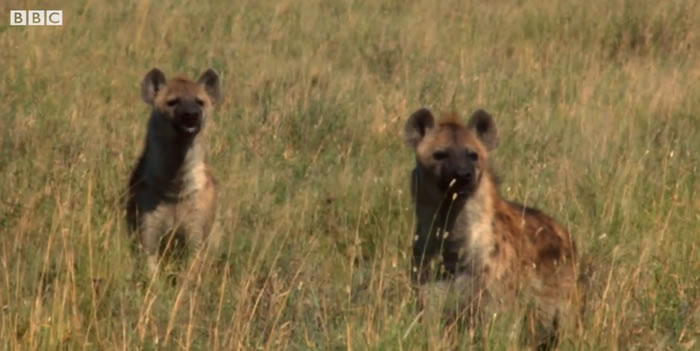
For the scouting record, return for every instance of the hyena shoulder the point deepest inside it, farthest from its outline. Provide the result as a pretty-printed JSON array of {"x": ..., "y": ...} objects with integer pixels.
[{"x": 539, "y": 238}]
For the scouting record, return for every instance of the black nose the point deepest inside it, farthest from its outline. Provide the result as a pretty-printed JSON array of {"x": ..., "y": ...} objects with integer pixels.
[
  {"x": 188, "y": 109},
  {"x": 191, "y": 115},
  {"x": 464, "y": 174}
]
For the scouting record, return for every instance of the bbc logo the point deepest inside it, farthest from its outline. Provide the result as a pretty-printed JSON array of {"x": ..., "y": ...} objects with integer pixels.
[{"x": 36, "y": 18}]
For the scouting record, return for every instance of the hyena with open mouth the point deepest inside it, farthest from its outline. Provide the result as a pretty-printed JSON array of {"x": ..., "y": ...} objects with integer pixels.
[{"x": 172, "y": 193}]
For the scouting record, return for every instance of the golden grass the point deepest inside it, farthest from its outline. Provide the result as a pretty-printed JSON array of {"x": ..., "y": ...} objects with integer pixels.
[{"x": 597, "y": 105}]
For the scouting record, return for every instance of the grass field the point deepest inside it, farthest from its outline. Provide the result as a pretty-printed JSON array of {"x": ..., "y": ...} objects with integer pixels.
[{"x": 597, "y": 104}]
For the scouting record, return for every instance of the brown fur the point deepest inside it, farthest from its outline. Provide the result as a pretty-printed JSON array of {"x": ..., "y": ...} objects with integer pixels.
[
  {"x": 172, "y": 189},
  {"x": 494, "y": 252}
]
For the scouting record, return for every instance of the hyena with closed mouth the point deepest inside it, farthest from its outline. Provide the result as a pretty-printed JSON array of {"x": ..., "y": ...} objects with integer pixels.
[
  {"x": 494, "y": 252},
  {"x": 172, "y": 192}
]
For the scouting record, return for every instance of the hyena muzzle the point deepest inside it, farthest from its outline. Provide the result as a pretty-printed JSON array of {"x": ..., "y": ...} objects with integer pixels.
[
  {"x": 172, "y": 193},
  {"x": 492, "y": 251}
]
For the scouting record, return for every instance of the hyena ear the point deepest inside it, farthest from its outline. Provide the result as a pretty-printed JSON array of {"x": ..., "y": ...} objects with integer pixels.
[
  {"x": 417, "y": 125},
  {"x": 485, "y": 128},
  {"x": 210, "y": 81},
  {"x": 153, "y": 82}
]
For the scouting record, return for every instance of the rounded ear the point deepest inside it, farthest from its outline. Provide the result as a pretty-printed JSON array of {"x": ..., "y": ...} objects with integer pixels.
[
  {"x": 484, "y": 127},
  {"x": 153, "y": 82},
  {"x": 210, "y": 81},
  {"x": 417, "y": 125}
]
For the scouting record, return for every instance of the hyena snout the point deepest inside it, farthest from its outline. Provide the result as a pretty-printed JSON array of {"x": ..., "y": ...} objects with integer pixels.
[
  {"x": 188, "y": 118},
  {"x": 464, "y": 174},
  {"x": 463, "y": 179},
  {"x": 460, "y": 174}
]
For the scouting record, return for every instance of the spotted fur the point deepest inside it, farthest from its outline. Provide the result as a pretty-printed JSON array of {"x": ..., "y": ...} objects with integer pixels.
[{"x": 493, "y": 252}]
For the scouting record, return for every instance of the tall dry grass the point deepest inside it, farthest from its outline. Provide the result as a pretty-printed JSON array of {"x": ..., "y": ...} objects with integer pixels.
[{"x": 597, "y": 104}]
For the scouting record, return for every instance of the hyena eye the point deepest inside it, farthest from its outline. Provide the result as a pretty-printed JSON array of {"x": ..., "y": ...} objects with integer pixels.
[
  {"x": 440, "y": 155},
  {"x": 199, "y": 102},
  {"x": 473, "y": 156},
  {"x": 173, "y": 102}
]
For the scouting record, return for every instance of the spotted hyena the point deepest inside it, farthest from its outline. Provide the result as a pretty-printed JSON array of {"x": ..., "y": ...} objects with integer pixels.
[
  {"x": 493, "y": 251},
  {"x": 172, "y": 193}
]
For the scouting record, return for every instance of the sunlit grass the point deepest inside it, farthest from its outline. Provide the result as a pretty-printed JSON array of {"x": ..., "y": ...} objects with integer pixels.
[{"x": 596, "y": 103}]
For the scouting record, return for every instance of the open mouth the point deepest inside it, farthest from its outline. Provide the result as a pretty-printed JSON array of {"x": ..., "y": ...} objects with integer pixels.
[
  {"x": 188, "y": 126},
  {"x": 190, "y": 129}
]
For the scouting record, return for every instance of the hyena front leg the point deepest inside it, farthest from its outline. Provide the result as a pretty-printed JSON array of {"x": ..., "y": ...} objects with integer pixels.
[
  {"x": 150, "y": 241},
  {"x": 424, "y": 250},
  {"x": 202, "y": 237},
  {"x": 213, "y": 239},
  {"x": 203, "y": 231}
]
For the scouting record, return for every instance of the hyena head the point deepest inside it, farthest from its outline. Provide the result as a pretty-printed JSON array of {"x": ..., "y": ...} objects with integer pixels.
[
  {"x": 180, "y": 102},
  {"x": 449, "y": 154}
]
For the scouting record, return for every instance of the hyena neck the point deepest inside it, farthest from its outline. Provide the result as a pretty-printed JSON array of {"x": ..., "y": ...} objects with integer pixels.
[
  {"x": 477, "y": 217},
  {"x": 174, "y": 165},
  {"x": 465, "y": 224},
  {"x": 451, "y": 211}
]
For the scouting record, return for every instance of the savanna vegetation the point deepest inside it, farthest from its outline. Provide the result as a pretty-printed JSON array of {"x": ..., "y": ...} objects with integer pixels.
[{"x": 597, "y": 103}]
